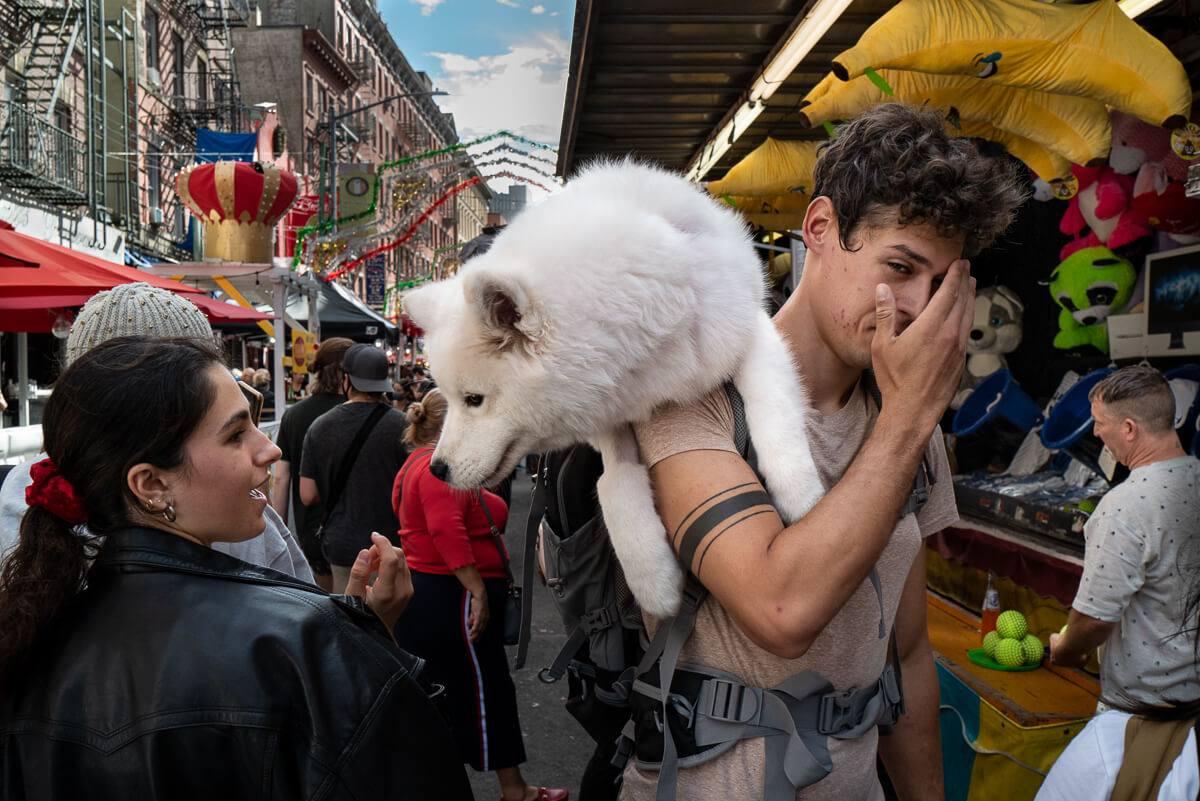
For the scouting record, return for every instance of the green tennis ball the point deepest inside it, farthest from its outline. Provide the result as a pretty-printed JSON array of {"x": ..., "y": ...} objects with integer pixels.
[
  {"x": 1031, "y": 648},
  {"x": 989, "y": 643},
  {"x": 1012, "y": 625},
  {"x": 1009, "y": 653}
]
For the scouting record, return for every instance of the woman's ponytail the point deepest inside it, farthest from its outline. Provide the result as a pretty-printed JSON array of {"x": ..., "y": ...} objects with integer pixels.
[{"x": 46, "y": 570}]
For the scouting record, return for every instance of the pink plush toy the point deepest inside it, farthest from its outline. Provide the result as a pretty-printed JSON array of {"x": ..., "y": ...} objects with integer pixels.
[
  {"x": 1106, "y": 199},
  {"x": 1104, "y": 204},
  {"x": 1158, "y": 190}
]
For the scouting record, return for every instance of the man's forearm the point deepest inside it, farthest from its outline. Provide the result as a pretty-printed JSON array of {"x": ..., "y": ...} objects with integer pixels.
[
  {"x": 1084, "y": 635},
  {"x": 912, "y": 753},
  {"x": 820, "y": 561}
]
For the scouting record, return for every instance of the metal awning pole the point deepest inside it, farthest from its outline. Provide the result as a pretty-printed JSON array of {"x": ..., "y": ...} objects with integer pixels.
[
  {"x": 280, "y": 348},
  {"x": 22, "y": 379},
  {"x": 314, "y": 319}
]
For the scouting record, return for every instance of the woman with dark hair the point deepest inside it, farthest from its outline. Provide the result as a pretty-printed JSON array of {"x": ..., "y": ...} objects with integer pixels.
[
  {"x": 137, "y": 662},
  {"x": 453, "y": 542}
]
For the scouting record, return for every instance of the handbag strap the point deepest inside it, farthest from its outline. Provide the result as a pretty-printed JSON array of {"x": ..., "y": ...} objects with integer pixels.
[
  {"x": 498, "y": 536},
  {"x": 342, "y": 476}
]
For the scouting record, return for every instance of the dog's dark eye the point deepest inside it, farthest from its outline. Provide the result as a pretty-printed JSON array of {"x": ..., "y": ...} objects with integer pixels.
[{"x": 473, "y": 400}]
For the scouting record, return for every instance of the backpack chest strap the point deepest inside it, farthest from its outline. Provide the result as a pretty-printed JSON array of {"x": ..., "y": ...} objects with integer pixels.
[{"x": 708, "y": 711}]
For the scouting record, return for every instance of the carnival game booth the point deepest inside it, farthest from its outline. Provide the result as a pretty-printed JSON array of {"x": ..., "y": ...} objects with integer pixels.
[{"x": 1096, "y": 102}]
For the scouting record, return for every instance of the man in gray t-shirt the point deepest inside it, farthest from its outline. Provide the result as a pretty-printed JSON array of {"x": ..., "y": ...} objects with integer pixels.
[{"x": 1143, "y": 547}]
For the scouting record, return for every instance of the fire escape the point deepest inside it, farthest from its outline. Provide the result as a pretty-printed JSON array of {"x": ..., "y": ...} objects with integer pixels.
[
  {"x": 208, "y": 96},
  {"x": 40, "y": 155}
]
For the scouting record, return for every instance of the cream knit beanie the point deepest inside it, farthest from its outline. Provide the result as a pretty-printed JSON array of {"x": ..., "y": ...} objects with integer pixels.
[{"x": 131, "y": 310}]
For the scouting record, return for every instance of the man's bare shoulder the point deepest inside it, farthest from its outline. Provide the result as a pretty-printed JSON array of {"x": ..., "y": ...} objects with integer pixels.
[{"x": 705, "y": 424}]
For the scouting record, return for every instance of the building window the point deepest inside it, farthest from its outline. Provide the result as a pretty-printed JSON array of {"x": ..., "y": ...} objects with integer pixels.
[
  {"x": 179, "y": 56},
  {"x": 202, "y": 80},
  {"x": 180, "y": 221},
  {"x": 154, "y": 176},
  {"x": 308, "y": 92},
  {"x": 151, "y": 23},
  {"x": 62, "y": 116}
]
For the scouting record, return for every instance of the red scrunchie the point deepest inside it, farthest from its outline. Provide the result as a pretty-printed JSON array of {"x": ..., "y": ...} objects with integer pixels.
[{"x": 51, "y": 491}]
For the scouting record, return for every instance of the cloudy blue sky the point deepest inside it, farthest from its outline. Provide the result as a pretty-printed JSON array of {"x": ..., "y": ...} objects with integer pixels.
[{"x": 504, "y": 62}]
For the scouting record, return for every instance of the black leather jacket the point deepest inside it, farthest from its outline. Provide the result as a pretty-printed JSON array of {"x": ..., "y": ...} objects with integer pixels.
[{"x": 181, "y": 673}]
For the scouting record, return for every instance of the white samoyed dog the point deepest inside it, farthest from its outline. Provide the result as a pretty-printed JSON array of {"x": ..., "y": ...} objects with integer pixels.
[{"x": 627, "y": 289}]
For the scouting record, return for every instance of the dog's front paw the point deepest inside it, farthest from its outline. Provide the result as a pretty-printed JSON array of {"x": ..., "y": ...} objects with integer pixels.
[
  {"x": 639, "y": 539},
  {"x": 796, "y": 488},
  {"x": 656, "y": 583}
]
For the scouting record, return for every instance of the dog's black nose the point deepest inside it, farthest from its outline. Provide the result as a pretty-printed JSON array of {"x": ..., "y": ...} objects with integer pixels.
[
  {"x": 976, "y": 334},
  {"x": 439, "y": 469},
  {"x": 1089, "y": 320}
]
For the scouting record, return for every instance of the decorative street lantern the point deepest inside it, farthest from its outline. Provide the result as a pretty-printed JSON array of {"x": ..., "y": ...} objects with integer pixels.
[{"x": 239, "y": 204}]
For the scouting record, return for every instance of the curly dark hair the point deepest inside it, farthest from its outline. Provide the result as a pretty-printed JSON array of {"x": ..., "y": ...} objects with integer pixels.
[{"x": 899, "y": 159}]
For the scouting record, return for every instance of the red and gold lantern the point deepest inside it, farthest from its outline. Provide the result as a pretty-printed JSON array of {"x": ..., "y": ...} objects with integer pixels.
[{"x": 239, "y": 204}]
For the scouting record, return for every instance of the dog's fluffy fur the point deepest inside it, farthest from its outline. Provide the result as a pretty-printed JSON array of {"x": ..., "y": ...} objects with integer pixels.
[{"x": 627, "y": 289}]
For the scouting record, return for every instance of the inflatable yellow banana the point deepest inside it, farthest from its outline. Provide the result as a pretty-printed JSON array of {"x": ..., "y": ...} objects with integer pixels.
[
  {"x": 773, "y": 168},
  {"x": 774, "y": 213},
  {"x": 1091, "y": 50},
  {"x": 838, "y": 100},
  {"x": 1045, "y": 164},
  {"x": 1075, "y": 127}
]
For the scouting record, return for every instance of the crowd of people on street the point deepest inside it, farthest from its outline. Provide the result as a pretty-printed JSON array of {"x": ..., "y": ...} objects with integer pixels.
[{"x": 189, "y": 609}]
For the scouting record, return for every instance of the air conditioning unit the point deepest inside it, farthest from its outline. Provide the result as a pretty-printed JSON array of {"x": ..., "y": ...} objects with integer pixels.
[
  {"x": 153, "y": 77},
  {"x": 156, "y": 215}
]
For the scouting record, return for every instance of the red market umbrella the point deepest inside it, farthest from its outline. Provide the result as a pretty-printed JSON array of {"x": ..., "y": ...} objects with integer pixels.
[
  {"x": 19, "y": 251},
  {"x": 39, "y": 279},
  {"x": 219, "y": 312}
]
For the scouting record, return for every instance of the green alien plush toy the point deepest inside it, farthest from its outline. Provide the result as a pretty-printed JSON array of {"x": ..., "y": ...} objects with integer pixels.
[{"x": 1090, "y": 285}]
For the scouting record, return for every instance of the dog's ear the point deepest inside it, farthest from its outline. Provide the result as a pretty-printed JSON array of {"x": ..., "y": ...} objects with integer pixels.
[
  {"x": 509, "y": 314},
  {"x": 423, "y": 304}
]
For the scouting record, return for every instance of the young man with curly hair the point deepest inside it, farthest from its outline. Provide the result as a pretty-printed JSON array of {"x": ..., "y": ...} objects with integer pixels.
[{"x": 898, "y": 206}]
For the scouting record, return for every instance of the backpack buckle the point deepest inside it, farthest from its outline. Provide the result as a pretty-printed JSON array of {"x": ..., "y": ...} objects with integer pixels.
[
  {"x": 836, "y": 713},
  {"x": 727, "y": 701}
]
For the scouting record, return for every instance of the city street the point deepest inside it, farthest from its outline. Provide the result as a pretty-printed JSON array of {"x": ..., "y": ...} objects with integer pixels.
[{"x": 557, "y": 746}]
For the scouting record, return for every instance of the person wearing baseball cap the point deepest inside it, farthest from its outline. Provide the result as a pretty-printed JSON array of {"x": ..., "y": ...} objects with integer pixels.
[
  {"x": 349, "y": 462},
  {"x": 328, "y": 379}
]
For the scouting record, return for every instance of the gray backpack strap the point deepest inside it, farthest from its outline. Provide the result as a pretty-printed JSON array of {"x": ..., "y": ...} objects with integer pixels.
[
  {"x": 536, "y": 509},
  {"x": 741, "y": 429}
]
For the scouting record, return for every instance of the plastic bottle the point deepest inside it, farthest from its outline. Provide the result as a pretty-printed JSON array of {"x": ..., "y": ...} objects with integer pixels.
[{"x": 991, "y": 609}]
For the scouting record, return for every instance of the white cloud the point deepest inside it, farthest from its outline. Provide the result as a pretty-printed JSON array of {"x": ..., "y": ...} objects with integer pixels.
[
  {"x": 521, "y": 90},
  {"x": 427, "y": 6},
  {"x": 509, "y": 3},
  {"x": 538, "y": 10},
  {"x": 554, "y": 13}
]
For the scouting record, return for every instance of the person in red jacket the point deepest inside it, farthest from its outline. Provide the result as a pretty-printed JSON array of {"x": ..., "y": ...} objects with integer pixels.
[{"x": 455, "y": 620}]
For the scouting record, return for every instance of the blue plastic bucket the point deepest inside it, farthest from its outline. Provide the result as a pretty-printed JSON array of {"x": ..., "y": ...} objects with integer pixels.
[
  {"x": 999, "y": 396},
  {"x": 1069, "y": 426}
]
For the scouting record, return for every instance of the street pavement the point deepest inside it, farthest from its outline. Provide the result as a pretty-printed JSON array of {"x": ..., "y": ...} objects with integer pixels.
[{"x": 557, "y": 747}]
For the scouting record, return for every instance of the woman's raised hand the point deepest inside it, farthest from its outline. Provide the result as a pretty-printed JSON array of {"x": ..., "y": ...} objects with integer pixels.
[{"x": 388, "y": 595}]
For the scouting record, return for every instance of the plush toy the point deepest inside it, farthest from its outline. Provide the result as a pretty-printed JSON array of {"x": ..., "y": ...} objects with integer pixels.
[
  {"x": 1091, "y": 50},
  {"x": 1089, "y": 285},
  {"x": 1103, "y": 208},
  {"x": 997, "y": 331},
  {"x": 1158, "y": 195}
]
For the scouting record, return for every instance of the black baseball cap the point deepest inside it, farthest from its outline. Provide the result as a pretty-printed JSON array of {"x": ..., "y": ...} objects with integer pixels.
[{"x": 367, "y": 368}]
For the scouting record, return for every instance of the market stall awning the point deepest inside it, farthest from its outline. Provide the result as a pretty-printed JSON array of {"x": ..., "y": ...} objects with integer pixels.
[
  {"x": 657, "y": 78},
  {"x": 342, "y": 314},
  {"x": 221, "y": 314},
  {"x": 68, "y": 266},
  {"x": 39, "y": 279}
]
